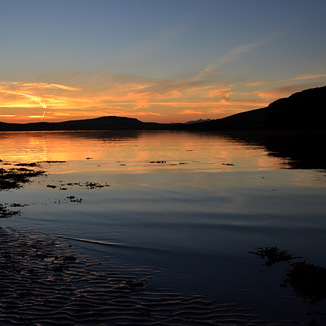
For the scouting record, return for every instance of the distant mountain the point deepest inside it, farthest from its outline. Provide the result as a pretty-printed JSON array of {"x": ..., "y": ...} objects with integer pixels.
[
  {"x": 197, "y": 121},
  {"x": 302, "y": 110},
  {"x": 246, "y": 120},
  {"x": 103, "y": 123}
]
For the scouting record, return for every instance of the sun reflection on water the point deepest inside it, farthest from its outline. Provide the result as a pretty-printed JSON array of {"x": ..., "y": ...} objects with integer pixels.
[{"x": 137, "y": 152}]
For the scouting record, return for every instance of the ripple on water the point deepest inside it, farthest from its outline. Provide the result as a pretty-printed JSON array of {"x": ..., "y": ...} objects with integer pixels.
[{"x": 46, "y": 281}]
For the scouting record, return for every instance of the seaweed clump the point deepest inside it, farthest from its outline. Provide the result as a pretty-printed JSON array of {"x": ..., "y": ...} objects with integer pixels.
[
  {"x": 308, "y": 281},
  {"x": 15, "y": 178},
  {"x": 6, "y": 213},
  {"x": 87, "y": 185},
  {"x": 273, "y": 255}
]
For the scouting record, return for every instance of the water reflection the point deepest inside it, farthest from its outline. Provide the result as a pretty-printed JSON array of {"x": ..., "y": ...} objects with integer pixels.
[
  {"x": 293, "y": 150},
  {"x": 137, "y": 151},
  {"x": 301, "y": 150},
  {"x": 307, "y": 280},
  {"x": 189, "y": 204}
]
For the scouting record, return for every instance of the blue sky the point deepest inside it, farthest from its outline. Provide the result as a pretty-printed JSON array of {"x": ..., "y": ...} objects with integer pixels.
[{"x": 171, "y": 60}]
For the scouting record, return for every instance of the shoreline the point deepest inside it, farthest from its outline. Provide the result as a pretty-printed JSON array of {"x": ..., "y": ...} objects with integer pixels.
[{"x": 47, "y": 281}]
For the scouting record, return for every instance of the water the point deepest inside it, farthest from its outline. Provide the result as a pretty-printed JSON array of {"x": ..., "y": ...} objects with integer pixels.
[{"x": 190, "y": 206}]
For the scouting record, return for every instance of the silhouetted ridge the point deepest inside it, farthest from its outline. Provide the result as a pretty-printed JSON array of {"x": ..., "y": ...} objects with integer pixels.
[
  {"x": 103, "y": 123},
  {"x": 245, "y": 120},
  {"x": 302, "y": 110}
]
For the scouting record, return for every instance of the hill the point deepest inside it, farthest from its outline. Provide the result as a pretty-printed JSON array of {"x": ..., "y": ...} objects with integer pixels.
[
  {"x": 253, "y": 119},
  {"x": 304, "y": 110},
  {"x": 103, "y": 123}
]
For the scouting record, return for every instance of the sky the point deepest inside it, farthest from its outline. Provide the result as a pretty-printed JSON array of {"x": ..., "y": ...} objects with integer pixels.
[{"x": 156, "y": 60}]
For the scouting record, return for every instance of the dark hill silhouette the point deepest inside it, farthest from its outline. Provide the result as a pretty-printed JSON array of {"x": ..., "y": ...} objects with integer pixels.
[
  {"x": 304, "y": 110},
  {"x": 299, "y": 149},
  {"x": 253, "y": 119},
  {"x": 103, "y": 123}
]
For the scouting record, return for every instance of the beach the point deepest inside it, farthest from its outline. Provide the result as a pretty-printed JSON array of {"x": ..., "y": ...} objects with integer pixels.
[{"x": 48, "y": 281}]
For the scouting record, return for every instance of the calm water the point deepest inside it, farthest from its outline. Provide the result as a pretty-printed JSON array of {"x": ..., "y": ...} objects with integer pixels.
[{"x": 188, "y": 206}]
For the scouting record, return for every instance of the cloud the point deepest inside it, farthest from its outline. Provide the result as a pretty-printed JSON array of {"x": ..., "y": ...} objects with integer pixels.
[
  {"x": 222, "y": 93},
  {"x": 61, "y": 114},
  {"x": 142, "y": 114},
  {"x": 191, "y": 112},
  {"x": 233, "y": 55},
  {"x": 47, "y": 86},
  {"x": 285, "y": 91},
  {"x": 300, "y": 77},
  {"x": 28, "y": 95},
  {"x": 35, "y": 116},
  {"x": 153, "y": 47},
  {"x": 91, "y": 95}
]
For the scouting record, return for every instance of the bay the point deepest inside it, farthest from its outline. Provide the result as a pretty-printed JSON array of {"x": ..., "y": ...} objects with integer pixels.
[{"x": 188, "y": 206}]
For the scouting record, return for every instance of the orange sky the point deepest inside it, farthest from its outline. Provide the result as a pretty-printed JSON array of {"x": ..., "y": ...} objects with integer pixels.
[
  {"x": 160, "y": 61},
  {"x": 146, "y": 99},
  {"x": 143, "y": 98}
]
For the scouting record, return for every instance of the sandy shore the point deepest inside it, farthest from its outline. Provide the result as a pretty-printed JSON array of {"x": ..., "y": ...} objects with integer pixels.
[{"x": 46, "y": 281}]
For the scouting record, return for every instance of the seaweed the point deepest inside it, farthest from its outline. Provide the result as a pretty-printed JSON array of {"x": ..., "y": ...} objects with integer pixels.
[
  {"x": 16, "y": 178},
  {"x": 157, "y": 162},
  {"x": 273, "y": 255},
  {"x": 87, "y": 185},
  {"x": 34, "y": 164},
  {"x": 51, "y": 162},
  {"x": 73, "y": 199},
  {"x": 306, "y": 279},
  {"x": 6, "y": 213}
]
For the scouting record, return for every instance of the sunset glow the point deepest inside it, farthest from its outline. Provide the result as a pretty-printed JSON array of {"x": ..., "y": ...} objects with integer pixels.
[
  {"x": 158, "y": 157},
  {"x": 193, "y": 64}
]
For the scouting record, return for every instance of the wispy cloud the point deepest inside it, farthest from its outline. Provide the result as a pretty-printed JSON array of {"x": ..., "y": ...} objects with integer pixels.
[
  {"x": 152, "y": 48},
  {"x": 284, "y": 91},
  {"x": 233, "y": 55},
  {"x": 228, "y": 57},
  {"x": 191, "y": 112},
  {"x": 222, "y": 93},
  {"x": 28, "y": 95},
  {"x": 300, "y": 77},
  {"x": 89, "y": 95},
  {"x": 127, "y": 95}
]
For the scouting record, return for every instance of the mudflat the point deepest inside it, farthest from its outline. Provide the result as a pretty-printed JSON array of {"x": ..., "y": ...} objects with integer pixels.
[{"x": 47, "y": 281}]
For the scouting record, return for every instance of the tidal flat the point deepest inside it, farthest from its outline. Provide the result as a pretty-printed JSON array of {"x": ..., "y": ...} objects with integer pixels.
[
  {"x": 45, "y": 281},
  {"x": 175, "y": 216}
]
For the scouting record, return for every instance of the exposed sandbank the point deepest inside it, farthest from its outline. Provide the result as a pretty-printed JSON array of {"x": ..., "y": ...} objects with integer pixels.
[{"x": 46, "y": 281}]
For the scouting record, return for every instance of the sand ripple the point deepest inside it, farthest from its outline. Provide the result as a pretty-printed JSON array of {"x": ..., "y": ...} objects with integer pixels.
[{"x": 45, "y": 281}]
